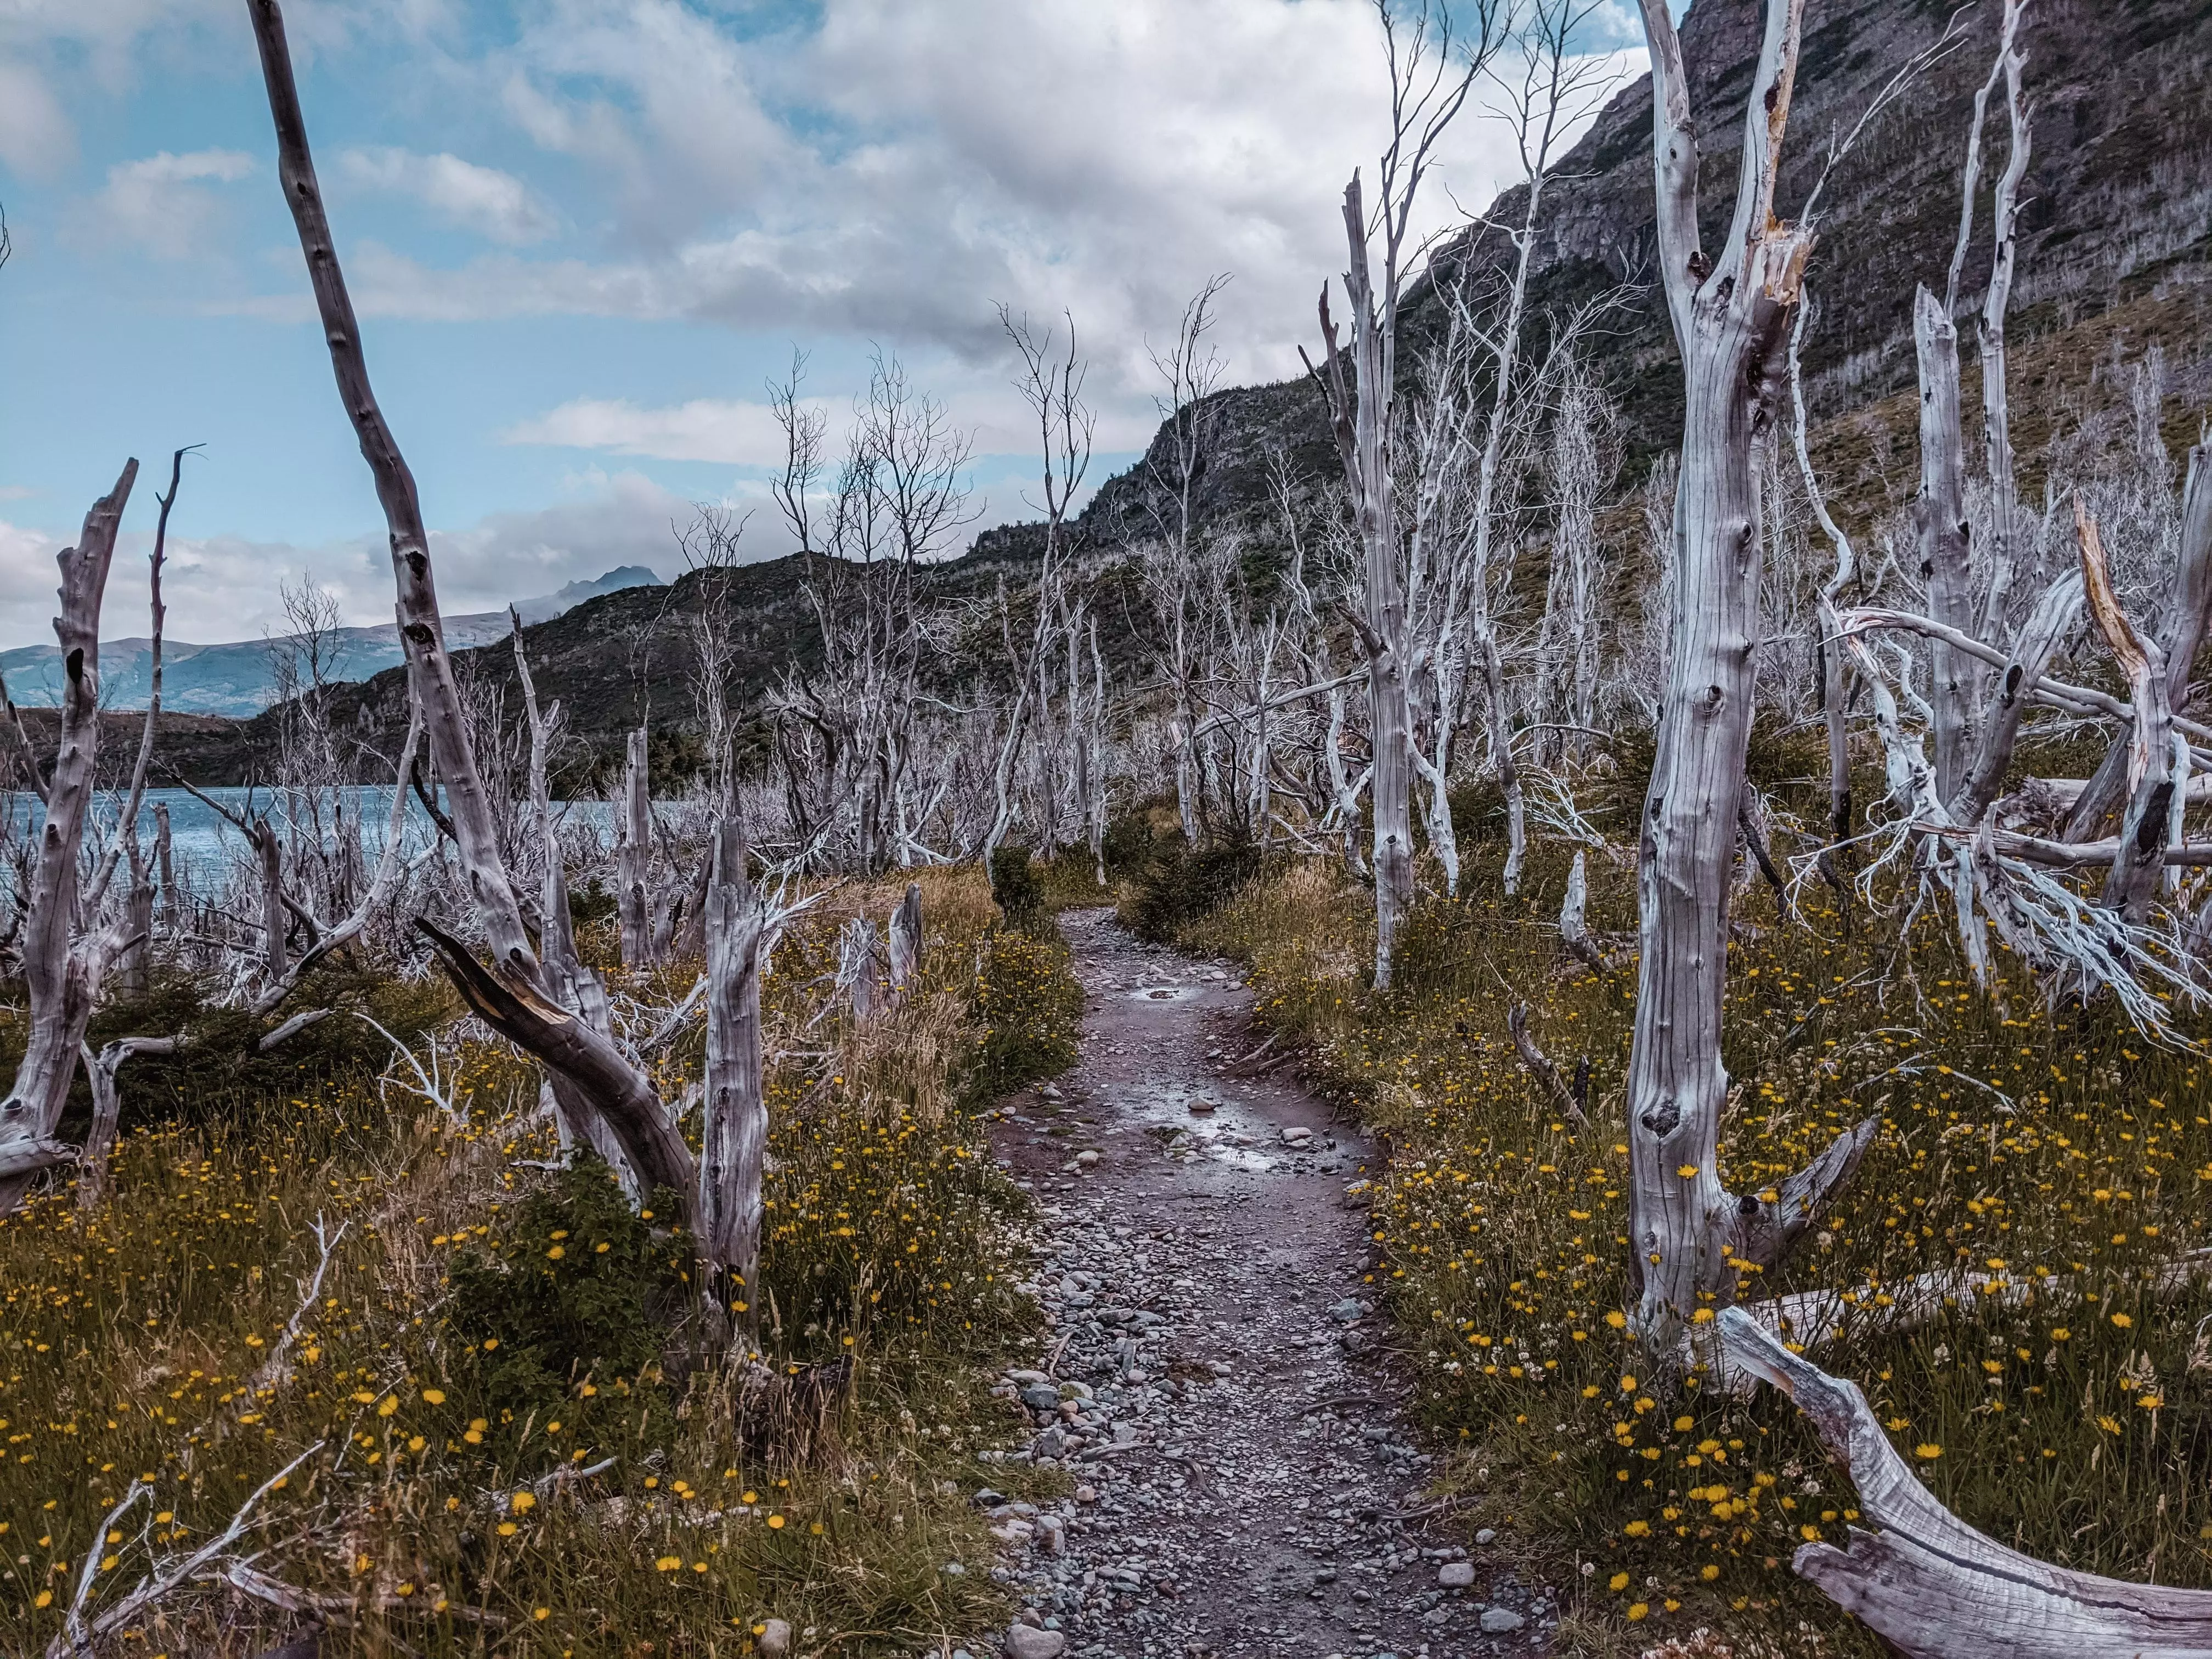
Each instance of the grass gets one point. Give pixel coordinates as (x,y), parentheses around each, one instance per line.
(484,1325)
(2067,1410)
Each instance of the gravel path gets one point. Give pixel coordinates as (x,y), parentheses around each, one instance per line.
(1221,1388)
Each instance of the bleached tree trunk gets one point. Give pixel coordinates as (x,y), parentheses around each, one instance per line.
(634,855)
(2039,638)
(62,975)
(1996,411)
(906,942)
(132,978)
(99,1073)
(1939,514)
(576,1114)
(733,1149)
(511,995)
(1095,804)
(856,968)
(2145,829)
(1731,318)
(165,870)
(268,848)
(1931,1586)
(2188,614)
(1428,89)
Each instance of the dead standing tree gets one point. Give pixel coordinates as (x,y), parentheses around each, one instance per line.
(62,967)
(512,995)
(1690,1237)
(1428,90)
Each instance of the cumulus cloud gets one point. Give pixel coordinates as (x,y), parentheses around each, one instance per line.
(494,205)
(160,203)
(35,135)
(702,429)
(892,169)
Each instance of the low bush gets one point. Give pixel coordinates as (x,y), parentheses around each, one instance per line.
(1178,882)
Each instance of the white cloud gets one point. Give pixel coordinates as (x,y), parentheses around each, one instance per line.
(703,430)
(894,169)
(494,205)
(35,135)
(159,203)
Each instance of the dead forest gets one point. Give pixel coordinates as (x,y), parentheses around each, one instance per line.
(1712,818)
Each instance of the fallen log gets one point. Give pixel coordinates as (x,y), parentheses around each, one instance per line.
(1928,1584)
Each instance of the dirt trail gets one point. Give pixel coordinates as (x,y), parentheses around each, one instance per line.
(1236,1426)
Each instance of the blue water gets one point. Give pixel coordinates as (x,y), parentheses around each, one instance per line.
(204,845)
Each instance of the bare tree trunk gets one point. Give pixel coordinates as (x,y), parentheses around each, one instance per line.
(856,968)
(269,861)
(1940,514)
(1996,410)
(100,1070)
(2188,612)
(906,942)
(734,1146)
(1731,318)
(634,855)
(61,980)
(1931,1586)
(2144,830)
(166,870)
(511,995)
(131,976)
(2040,637)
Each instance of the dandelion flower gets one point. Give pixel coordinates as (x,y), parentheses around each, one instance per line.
(1927,1452)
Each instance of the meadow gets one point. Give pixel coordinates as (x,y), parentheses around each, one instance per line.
(2017,1275)
(457,1392)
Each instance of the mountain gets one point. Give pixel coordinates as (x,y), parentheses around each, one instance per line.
(2115,234)
(241,680)
(2115,255)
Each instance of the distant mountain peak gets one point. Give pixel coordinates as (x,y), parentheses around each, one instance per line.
(238,678)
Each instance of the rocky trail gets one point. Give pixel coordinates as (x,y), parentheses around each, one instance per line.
(1220,1384)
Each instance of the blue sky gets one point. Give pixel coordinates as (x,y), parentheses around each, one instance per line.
(582,233)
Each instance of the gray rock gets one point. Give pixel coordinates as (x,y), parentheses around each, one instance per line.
(1041,1397)
(1456,1575)
(775,1640)
(1025,1642)
(1496,1621)
(1485,1536)
(1347,1310)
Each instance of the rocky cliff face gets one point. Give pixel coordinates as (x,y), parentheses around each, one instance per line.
(2118,205)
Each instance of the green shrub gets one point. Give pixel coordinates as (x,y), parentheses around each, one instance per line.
(1014,884)
(1179,883)
(573,1287)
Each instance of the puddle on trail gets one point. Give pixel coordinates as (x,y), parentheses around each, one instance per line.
(1163,993)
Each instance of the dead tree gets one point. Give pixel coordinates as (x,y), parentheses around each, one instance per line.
(1931,1586)
(512,994)
(634,855)
(906,942)
(1731,316)
(61,969)
(2188,614)
(1428,90)
(733,1149)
